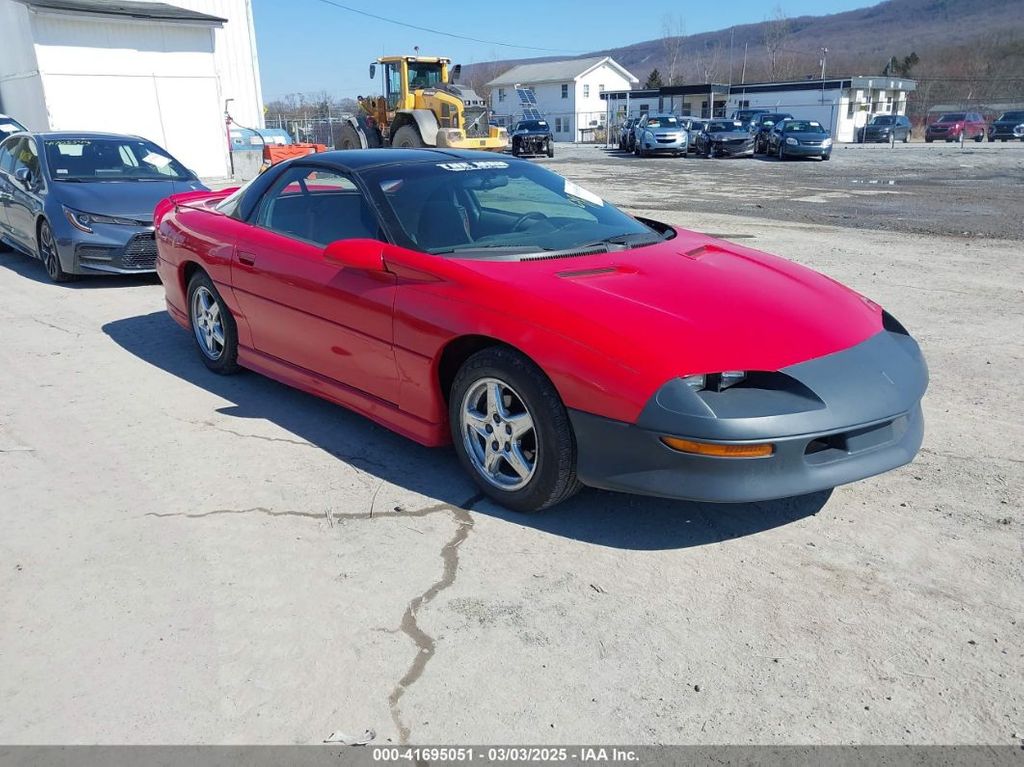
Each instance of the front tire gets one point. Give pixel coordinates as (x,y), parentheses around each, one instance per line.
(511,431)
(551,148)
(407,137)
(782,152)
(213,326)
(50,256)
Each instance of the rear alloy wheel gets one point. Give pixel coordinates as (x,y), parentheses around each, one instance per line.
(50,256)
(407,137)
(511,431)
(213,326)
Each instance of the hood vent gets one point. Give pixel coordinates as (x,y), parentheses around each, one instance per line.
(567,254)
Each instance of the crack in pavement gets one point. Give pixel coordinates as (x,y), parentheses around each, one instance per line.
(425,644)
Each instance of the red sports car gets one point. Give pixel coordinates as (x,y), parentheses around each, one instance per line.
(556,341)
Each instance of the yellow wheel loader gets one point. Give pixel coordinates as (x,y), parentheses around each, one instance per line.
(421,107)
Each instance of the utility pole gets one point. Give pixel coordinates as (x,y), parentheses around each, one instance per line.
(732,39)
(824,56)
(743,72)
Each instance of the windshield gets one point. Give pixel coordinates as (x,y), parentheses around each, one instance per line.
(423,75)
(9,126)
(1012,116)
(662,121)
(884,121)
(492,208)
(952,118)
(111,159)
(726,126)
(532,125)
(802,126)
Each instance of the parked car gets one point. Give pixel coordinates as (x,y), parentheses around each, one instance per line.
(660,134)
(693,126)
(747,116)
(725,138)
(800,138)
(883,128)
(627,138)
(567,345)
(533,137)
(762,125)
(951,126)
(82,203)
(1008,127)
(9,126)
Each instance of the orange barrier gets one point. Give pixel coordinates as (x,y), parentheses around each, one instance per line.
(275,153)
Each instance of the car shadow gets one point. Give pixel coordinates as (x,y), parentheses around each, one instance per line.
(33,269)
(604,518)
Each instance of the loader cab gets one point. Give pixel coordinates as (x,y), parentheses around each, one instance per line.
(403,75)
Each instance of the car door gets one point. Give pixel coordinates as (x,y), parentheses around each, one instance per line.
(26,200)
(334,321)
(6,180)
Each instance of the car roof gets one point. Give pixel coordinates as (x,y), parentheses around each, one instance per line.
(58,135)
(362,159)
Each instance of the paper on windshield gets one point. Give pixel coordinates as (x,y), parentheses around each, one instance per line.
(577,191)
(157,159)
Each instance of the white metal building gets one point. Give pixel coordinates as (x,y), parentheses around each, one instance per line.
(152,69)
(568,92)
(842,104)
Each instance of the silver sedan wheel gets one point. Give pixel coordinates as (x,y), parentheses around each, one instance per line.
(498,433)
(207,324)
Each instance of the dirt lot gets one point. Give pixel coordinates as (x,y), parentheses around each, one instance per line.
(188,558)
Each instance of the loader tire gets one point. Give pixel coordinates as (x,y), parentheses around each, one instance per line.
(407,137)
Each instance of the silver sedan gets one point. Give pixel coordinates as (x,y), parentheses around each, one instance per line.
(662,134)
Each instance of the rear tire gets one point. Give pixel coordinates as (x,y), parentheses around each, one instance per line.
(526,421)
(407,137)
(213,326)
(348,138)
(979,138)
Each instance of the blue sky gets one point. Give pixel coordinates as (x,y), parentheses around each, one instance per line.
(310,45)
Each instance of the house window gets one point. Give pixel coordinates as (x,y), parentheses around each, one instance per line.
(645,108)
(558,125)
(600,89)
(501,94)
(565,91)
(586,91)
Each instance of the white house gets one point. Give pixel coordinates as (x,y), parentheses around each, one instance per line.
(568,92)
(146,68)
(842,104)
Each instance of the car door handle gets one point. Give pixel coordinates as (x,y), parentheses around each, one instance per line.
(246,258)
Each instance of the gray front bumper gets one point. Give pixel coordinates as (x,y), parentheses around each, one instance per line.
(832,420)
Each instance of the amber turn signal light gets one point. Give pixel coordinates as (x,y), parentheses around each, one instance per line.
(760,450)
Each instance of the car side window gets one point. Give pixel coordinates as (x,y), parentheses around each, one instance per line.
(26,156)
(317,205)
(6,155)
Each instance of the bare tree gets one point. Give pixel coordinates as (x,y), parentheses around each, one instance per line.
(776,33)
(673,30)
(707,60)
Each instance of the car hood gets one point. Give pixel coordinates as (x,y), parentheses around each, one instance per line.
(538,132)
(689,305)
(726,135)
(878,128)
(125,199)
(807,136)
(1008,123)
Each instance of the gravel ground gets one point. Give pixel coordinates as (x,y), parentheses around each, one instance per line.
(186,558)
(918,188)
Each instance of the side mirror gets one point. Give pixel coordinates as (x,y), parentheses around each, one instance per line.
(364,254)
(23,176)
(456,72)
(373,71)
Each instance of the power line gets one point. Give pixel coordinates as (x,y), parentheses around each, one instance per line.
(445,34)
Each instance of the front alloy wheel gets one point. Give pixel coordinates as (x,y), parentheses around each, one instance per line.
(499,434)
(511,431)
(49,255)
